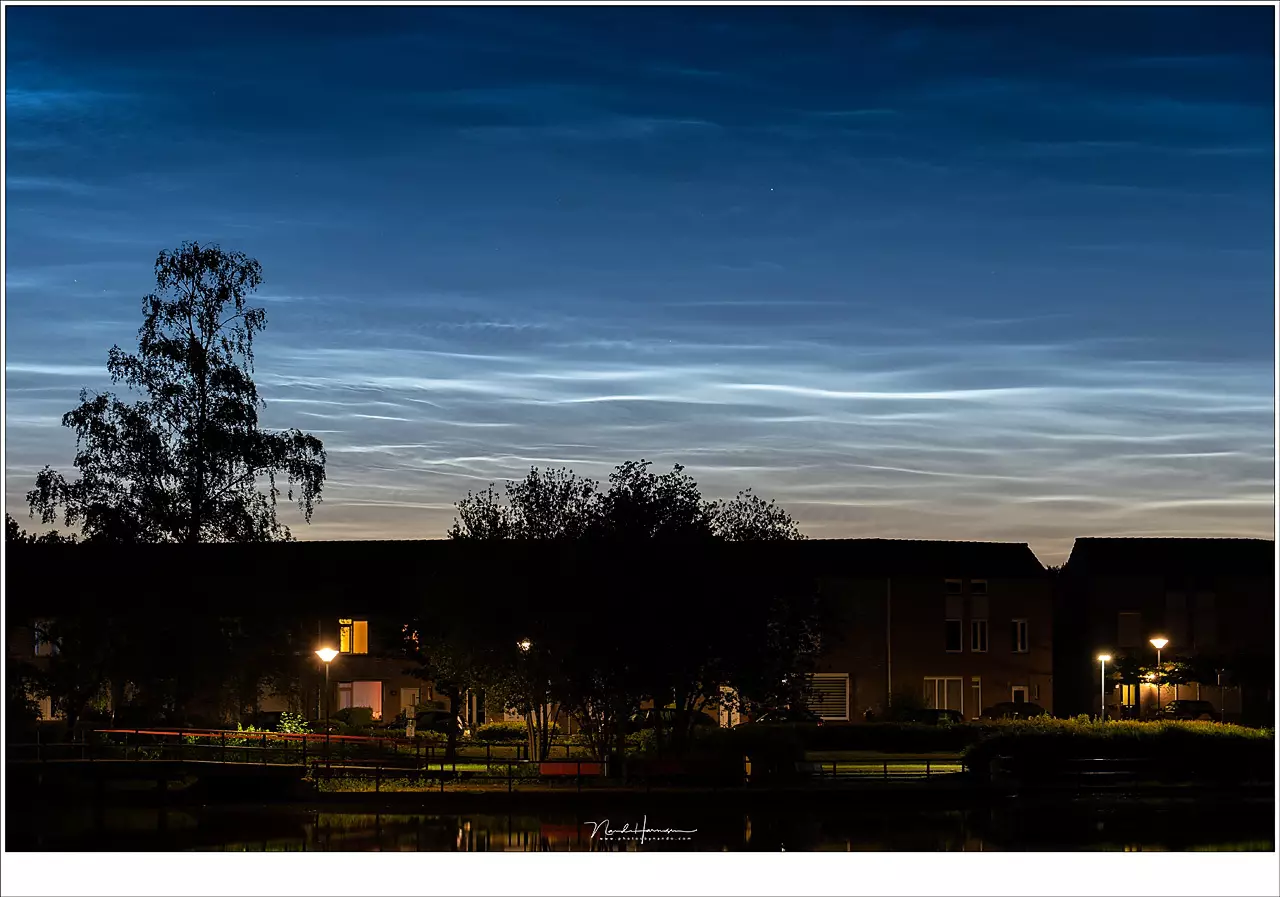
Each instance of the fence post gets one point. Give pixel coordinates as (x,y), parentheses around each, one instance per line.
(377,778)
(264,749)
(222,755)
(886,771)
(508,778)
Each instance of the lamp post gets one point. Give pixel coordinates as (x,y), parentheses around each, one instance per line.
(1102,659)
(327,655)
(1159,643)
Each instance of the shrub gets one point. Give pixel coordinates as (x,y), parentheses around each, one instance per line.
(509,731)
(355,717)
(1192,748)
(895,737)
(292,722)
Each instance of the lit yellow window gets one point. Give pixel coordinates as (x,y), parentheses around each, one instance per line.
(353,636)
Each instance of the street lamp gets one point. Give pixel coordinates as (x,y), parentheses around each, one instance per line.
(1159,643)
(1102,659)
(327,655)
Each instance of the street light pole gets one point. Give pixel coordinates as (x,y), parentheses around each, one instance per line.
(327,655)
(1103,658)
(1159,645)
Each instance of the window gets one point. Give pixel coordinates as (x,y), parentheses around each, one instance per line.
(978,635)
(952,628)
(361,694)
(1019,641)
(977,587)
(353,636)
(1019,694)
(829,695)
(953,587)
(1129,695)
(942,693)
(975,703)
(1129,629)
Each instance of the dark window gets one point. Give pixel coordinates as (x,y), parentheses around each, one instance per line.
(953,635)
(1020,644)
(978,635)
(954,587)
(977,587)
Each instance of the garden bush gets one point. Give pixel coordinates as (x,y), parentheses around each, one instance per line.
(509,731)
(355,717)
(1201,749)
(901,738)
(293,723)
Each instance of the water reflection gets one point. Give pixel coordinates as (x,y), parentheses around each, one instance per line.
(1061,828)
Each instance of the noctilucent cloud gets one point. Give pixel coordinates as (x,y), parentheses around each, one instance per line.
(969,273)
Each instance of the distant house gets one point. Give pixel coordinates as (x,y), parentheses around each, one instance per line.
(948,625)
(1212,599)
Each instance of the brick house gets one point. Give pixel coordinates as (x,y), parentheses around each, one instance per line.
(1210,598)
(951,625)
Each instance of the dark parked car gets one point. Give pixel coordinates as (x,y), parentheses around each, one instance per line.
(1190,710)
(648,719)
(438,721)
(927,717)
(786,716)
(1013,710)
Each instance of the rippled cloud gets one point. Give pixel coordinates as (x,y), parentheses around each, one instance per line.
(992,274)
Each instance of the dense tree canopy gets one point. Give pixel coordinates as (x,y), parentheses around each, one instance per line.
(188,462)
(650,628)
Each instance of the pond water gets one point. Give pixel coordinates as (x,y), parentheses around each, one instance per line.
(1063,827)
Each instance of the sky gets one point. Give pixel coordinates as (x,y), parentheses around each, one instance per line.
(971,273)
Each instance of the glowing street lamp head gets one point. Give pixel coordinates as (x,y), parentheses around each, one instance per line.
(326,654)
(524,644)
(1105,658)
(1159,643)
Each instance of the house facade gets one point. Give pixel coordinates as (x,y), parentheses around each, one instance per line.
(1212,600)
(947,625)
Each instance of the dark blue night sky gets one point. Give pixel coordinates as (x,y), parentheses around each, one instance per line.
(972,273)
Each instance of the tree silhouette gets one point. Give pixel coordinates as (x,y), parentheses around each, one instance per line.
(189,461)
(607,663)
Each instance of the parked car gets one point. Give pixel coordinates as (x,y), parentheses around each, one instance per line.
(927,717)
(1013,710)
(1190,710)
(648,719)
(438,721)
(786,716)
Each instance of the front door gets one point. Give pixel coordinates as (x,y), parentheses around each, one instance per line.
(409,700)
(1019,694)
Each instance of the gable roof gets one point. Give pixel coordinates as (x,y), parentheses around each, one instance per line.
(1172,557)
